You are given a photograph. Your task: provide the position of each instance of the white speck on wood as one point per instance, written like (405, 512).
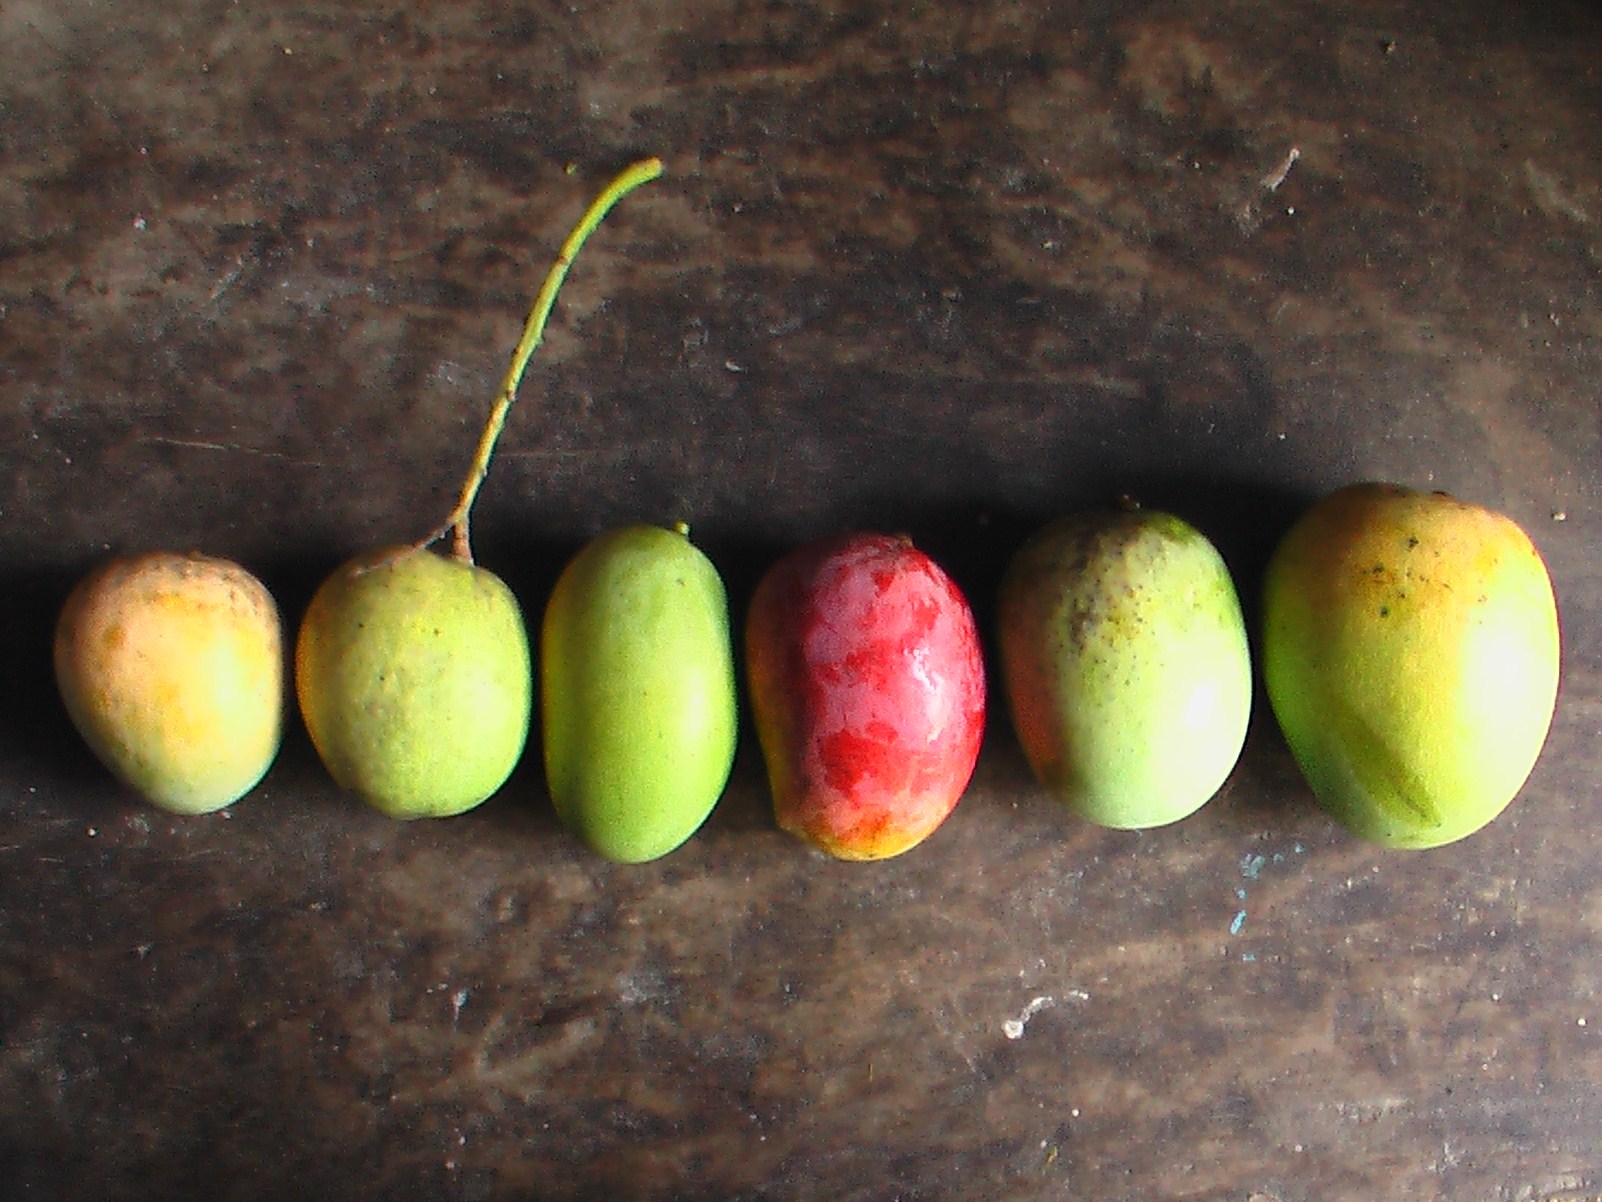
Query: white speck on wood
(1013, 1028)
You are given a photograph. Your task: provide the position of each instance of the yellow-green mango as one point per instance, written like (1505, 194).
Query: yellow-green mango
(638, 692)
(172, 668)
(1126, 664)
(413, 674)
(1411, 656)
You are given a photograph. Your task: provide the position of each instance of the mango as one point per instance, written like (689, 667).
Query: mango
(1411, 653)
(868, 692)
(1126, 665)
(638, 695)
(412, 667)
(172, 669)
(414, 679)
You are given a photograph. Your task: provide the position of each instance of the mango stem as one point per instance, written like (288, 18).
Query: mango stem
(533, 332)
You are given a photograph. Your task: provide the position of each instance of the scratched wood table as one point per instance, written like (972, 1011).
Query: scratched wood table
(946, 269)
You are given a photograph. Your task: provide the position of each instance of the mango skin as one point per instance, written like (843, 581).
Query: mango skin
(638, 692)
(1411, 655)
(172, 669)
(1127, 665)
(868, 692)
(415, 682)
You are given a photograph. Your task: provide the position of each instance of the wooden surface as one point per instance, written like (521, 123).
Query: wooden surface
(948, 269)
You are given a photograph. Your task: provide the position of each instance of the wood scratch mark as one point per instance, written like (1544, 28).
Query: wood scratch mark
(201, 444)
(1552, 196)
(1248, 217)
(1276, 177)
(227, 281)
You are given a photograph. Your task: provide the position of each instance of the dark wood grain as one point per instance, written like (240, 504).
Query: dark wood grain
(943, 269)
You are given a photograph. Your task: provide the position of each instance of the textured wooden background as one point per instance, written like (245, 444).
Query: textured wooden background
(948, 269)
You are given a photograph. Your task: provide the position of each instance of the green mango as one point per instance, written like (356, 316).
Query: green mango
(413, 668)
(1126, 665)
(638, 692)
(413, 675)
(1411, 656)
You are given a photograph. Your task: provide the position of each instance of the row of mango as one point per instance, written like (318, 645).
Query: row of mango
(1409, 649)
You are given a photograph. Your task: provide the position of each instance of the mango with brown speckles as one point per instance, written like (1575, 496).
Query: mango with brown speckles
(1126, 664)
(1411, 655)
(171, 667)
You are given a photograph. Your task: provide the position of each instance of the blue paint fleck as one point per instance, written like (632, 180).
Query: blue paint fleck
(1241, 893)
(1251, 866)
(1248, 957)
(1240, 921)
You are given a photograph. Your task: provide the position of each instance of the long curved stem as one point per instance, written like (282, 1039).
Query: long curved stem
(533, 331)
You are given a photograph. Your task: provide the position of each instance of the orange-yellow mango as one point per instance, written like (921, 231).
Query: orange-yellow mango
(172, 668)
(1411, 655)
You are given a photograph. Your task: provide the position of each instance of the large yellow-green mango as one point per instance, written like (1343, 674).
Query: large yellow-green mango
(1411, 654)
(1126, 663)
(638, 692)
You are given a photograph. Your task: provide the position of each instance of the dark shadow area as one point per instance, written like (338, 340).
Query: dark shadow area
(35, 730)
(1266, 788)
(529, 565)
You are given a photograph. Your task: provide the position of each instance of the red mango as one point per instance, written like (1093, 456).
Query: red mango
(867, 691)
